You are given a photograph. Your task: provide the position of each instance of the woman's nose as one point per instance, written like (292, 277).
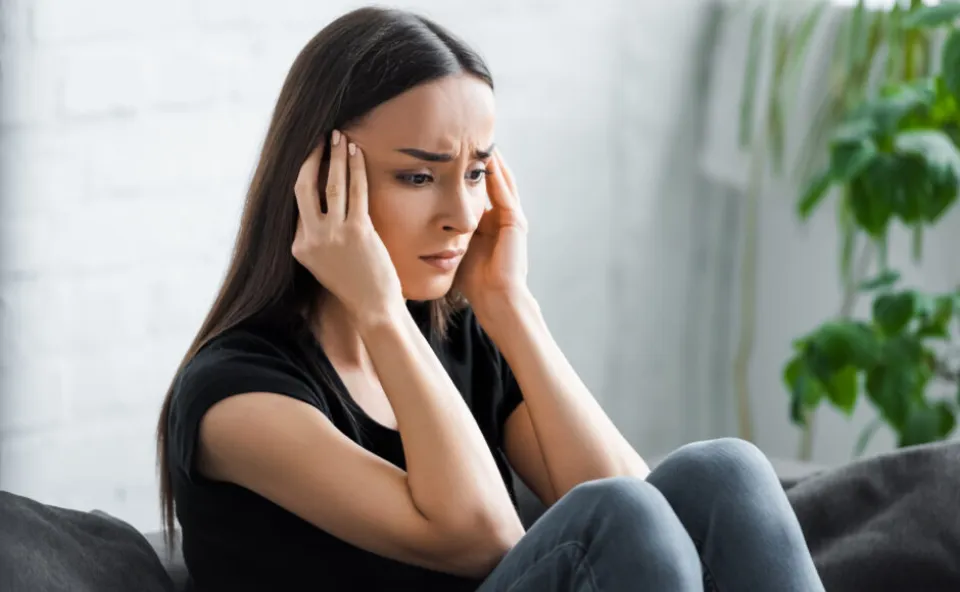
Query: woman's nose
(463, 215)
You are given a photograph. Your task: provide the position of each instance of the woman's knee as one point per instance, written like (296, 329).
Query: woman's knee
(623, 500)
(628, 534)
(630, 514)
(723, 460)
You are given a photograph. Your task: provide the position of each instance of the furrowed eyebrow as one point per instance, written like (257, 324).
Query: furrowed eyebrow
(484, 154)
(441, 156)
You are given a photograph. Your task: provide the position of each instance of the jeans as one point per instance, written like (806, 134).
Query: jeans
(712, 516)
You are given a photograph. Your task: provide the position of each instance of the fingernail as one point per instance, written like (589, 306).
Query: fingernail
(336, 137)
(352, 148)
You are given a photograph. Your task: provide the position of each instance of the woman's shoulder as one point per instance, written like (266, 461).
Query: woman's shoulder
(247, 338)
(244, 359)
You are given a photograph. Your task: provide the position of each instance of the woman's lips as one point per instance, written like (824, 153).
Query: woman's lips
(445, 261)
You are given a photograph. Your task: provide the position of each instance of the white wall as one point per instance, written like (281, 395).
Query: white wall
(129, 129)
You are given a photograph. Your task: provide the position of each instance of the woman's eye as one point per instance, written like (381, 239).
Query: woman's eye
(477, 174)
(416, 179)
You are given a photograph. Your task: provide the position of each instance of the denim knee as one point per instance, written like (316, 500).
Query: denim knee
(627, 533)
(723, 461)
(623, 503)
(615, 495)
(629, 514)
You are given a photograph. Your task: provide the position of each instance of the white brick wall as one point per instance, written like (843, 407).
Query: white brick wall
(129, 131)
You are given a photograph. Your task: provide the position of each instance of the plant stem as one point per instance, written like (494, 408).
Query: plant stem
(748, 290)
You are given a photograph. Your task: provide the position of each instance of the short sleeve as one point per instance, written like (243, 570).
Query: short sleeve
(221, 370)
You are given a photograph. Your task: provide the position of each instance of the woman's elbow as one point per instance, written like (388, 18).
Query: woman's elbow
(484, 555)
(482, 544)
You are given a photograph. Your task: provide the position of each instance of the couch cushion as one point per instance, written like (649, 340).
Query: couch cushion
(887, 523)
(54, 549)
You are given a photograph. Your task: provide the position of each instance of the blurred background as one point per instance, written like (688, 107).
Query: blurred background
(667, 250)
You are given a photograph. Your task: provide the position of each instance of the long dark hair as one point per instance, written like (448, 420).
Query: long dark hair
(357, 62)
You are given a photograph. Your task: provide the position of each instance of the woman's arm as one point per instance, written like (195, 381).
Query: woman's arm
(572, 435)
(451, 474)
(292, 454)
(449, 511)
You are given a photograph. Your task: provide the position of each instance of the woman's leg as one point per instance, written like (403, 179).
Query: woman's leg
(731, 502)
(606, 535)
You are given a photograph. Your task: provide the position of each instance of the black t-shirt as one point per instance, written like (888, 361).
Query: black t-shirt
(234, 539)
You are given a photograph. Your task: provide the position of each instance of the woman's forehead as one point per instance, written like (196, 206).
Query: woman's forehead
(445, 116)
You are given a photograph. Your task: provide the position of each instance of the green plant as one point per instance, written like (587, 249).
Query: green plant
(895, 355)
(902, 40)
(894, 156)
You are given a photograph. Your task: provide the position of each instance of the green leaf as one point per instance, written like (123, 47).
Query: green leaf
(944, 112)
(937, 203)
(935, 316)
(945, 307)
(797, 412)
(854, 128)
(903, 350)
(935, 148)
(931, 170)
(948, 420)
(814, 194)
(924, 305)
(910, 191)
(871, 201)
(898, 378)
(884, 280)
(951, 63)
(892, 312)
(805, 391)
(891, 387)
(852, 149)
(837, 344)
(899, 104)
(927, 16)
(842, 389)
(926, 423)
(802, 383)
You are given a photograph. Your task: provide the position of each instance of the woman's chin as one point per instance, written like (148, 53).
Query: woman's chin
(433, 288)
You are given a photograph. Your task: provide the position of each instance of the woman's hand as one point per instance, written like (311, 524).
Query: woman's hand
(340, 247)
(495, 265)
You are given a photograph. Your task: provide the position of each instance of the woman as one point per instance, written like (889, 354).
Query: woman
(344, 421)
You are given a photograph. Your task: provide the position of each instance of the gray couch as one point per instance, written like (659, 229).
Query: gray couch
(885, 524)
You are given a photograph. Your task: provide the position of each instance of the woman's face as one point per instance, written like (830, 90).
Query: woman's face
(426, 152)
